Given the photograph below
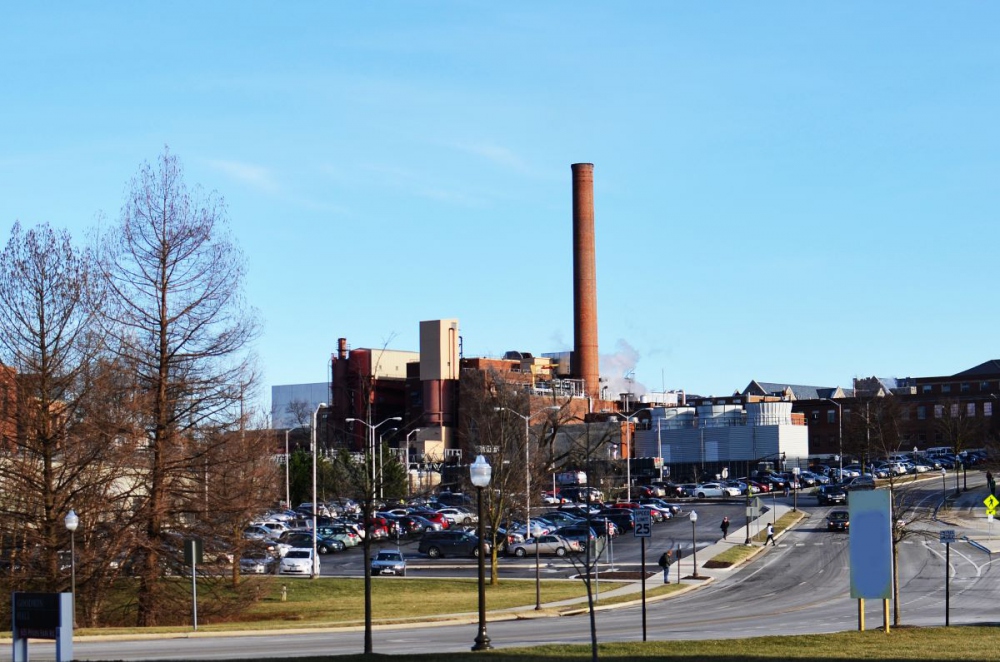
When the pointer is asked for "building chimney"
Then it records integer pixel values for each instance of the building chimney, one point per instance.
(585, 357)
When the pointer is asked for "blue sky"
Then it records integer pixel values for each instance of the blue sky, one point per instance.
(794, 192)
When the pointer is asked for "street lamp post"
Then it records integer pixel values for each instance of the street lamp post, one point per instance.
(694, 544)
(840, 436)
(72, 522)
(288, 489)
(795, 494)
(944, 486)
(481, 472)
(371, 442)
(315, 504)
(628, 444)
(527, 493)
(381, 476)
(409, 485)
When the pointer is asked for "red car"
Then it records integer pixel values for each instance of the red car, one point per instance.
(433, 516)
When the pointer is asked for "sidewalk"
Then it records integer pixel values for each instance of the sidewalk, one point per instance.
(965, 511)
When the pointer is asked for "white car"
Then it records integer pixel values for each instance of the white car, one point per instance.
(296, 561)
(458, 515)
(705, 490)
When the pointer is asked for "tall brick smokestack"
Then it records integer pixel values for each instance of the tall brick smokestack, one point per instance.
(585, 357)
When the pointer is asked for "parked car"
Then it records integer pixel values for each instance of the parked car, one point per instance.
(413, 524)
(672, 508)
(831, 494)
(296, 561)
(341, 532)
(433, 516)
(547, 545)
(389, 562)
(705, 490)
(581, 533)
(258, 562)
(655, 513)
(457, 515)
(553, 498)
(838, 520)
(449, 543)
(563, 518)
(297, 539)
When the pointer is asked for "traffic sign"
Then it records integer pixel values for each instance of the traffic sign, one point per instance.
(948, 536)
(643, 524)
(991, 502)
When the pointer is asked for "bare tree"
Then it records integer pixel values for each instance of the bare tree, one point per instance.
(174, 310)
(494, 433)
(879, 425)
(44, 336)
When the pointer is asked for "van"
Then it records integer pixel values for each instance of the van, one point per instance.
(940, 450)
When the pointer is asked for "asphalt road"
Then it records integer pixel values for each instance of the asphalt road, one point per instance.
(799, 587)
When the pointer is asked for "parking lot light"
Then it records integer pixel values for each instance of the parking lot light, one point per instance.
(481, 472)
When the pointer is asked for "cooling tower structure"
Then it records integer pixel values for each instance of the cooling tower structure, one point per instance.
(585, 357)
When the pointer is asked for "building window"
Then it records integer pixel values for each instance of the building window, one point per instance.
(928, 388)
(965, 387)
(954, 410)
(831, 416)
(946, 388)
(938, 411)
(921, 413)
(815, 415)
(905, 411)
(847, 416)
(987, 409)
(970, 410)
(984, 386)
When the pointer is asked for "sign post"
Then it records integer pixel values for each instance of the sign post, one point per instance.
(947, 537)
(991, 510)
(43, 616)
(193, 556)
(643, 529)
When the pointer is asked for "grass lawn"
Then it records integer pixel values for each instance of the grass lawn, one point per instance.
(966, 643)
(340, 601)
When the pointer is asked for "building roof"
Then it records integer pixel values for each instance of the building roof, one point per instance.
(991, 367)
(795, 391)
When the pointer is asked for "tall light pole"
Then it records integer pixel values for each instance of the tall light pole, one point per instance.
(628, 444)
(481, 472)
(944, 487)
(840, 436)
(527, 493)
(72, 521)
(381, 442)
(315, 505)
(371, 442)
(288, 489)
(408, 484)
(694, 543)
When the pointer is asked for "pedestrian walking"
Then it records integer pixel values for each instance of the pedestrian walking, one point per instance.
(725, 527)
(770, 536)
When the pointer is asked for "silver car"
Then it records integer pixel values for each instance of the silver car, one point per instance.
(389, 562)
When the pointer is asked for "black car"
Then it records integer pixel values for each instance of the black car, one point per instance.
(838, 520)
(831, 494)
(622, 518)
(436, 544)
(324, 545)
